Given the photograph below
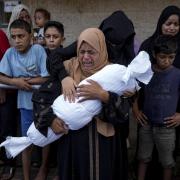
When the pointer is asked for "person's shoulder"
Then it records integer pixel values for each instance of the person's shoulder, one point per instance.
(176, 70)
(145, 45)
(2, 32)
(10, 51)
(38, 47)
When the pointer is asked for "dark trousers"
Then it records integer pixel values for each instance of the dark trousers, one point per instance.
(8, 121)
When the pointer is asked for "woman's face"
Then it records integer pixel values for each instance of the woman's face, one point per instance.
(171, 26)
(88, 56)
(24, 15)
(53, 38)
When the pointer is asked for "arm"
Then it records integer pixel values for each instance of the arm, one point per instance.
(20, 83)
(37, 80)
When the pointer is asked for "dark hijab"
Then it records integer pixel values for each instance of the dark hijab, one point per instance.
(119, 33)
(148, 43)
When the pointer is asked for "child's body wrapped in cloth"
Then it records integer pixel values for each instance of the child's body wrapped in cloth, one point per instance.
(113, 77)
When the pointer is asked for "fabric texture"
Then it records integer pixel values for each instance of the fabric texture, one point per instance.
(4, 45)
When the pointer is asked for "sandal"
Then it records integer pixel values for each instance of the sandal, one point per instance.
(7, 173)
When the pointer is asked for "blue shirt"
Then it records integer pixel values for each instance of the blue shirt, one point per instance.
(30, 64)
(161, 95)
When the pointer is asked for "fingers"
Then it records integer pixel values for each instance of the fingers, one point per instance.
(70, 95)
(58, 126)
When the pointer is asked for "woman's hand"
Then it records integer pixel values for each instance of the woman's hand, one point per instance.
(173, 121)
(2, 96)
(58, 126)
(69, 89)
(92, 91)
(139, 115)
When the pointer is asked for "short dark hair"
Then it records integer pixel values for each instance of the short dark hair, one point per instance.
(19, 23)
(165, 44)
(46, 13)
(59, 26)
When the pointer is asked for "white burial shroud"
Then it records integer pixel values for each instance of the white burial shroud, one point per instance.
(114, 77)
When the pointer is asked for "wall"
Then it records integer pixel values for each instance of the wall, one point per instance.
(80, 14)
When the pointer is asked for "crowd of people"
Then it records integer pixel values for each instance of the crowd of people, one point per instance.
(98, 151)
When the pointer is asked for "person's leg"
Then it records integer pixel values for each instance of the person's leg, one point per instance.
(142, 167)
(165, 143)
(167, 174)
(43, 171)
(26, 162)
(145, 149)
(8, 127)
(26, 120)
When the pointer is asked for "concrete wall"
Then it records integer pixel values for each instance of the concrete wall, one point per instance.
(79, 14)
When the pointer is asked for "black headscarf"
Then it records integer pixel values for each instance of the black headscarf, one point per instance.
(119, 33)
(148, 43)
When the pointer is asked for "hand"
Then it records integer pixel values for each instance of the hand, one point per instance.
(139, 115)
(2, 96)
(92, 91)
(173, 121)
(22, 83)
(129, 93)
(58, 126)
(69, 89)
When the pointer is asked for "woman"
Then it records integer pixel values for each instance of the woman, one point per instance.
(20, 11)
(97, 151)
(168, 24)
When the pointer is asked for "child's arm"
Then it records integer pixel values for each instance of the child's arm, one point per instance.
(138, 114)
(37, 80)
(20, 83)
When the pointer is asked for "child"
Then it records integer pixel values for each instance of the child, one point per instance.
(41, 16)
(22, 66)
(54, 37)
(157, 116)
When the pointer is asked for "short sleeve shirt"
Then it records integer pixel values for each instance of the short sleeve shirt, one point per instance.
(30, 64)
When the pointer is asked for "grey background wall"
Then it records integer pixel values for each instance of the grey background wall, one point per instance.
(77, 15)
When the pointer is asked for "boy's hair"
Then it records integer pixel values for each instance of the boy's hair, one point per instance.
(45, 13)
(59, 26)
(21, 24)
(165, 44)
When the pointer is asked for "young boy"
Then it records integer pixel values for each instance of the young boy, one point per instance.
(41, 16)
(22, 66)
(157, 116)
(54, 37)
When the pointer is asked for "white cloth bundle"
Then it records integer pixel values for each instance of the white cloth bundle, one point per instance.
(114, 77)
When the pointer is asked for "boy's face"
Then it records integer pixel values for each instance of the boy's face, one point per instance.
(53, 38)
(164, 61)
(21, 39)
(40, 20)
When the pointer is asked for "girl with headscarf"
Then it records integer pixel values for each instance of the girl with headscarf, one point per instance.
(20, 11)
(168, 24)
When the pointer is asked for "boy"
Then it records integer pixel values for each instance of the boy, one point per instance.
(54, 37)
(157, 116)
(22, 66)
(41, 16)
